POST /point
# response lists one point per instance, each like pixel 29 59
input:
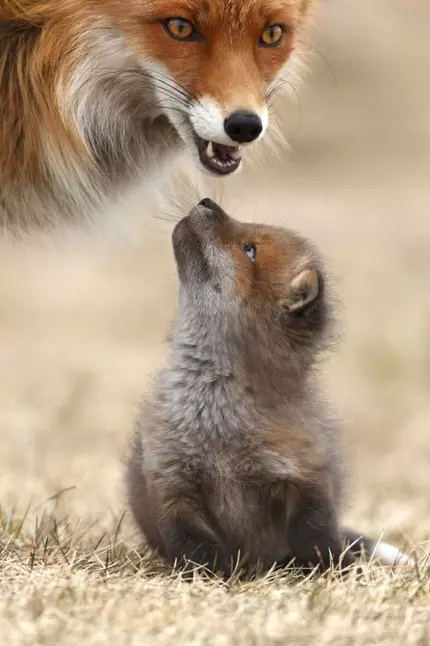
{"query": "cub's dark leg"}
pixel 313 533
pixel 190 543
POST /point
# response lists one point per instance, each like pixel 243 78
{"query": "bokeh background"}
pixel 83 320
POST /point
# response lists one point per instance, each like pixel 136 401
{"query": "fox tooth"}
pixel 235 153
pixel 210 150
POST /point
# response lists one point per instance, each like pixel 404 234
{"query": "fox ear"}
pixel 305 289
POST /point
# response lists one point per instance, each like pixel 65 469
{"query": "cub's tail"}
pixel 384 553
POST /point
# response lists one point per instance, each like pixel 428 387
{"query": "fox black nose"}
pixel 243 126
pixel 208 204
pixel 213 210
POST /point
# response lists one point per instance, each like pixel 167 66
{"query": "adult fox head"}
pixel 215 64
pixel 96 93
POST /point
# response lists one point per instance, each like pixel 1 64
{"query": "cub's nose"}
pixel 209 204
pixel 243 126
pixel 212 210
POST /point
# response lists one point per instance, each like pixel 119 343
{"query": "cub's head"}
pixel 215 65
pixel 254 282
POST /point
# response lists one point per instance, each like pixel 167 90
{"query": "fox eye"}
pixel 181 29
pixel 272 36
pixel 251 251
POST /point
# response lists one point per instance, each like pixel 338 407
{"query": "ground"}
pixel 82 330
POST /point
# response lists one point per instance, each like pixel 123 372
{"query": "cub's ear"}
pixel 305 290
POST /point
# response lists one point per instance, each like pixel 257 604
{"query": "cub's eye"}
pixel 181 29
pixel 251 251
pixel 272 36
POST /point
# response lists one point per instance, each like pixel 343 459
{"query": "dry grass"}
pixel 65 586
pixel 82 330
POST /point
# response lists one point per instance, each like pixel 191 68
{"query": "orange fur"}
pixel 231 30
pixel 29 71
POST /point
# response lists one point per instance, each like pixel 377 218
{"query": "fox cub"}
pixel 235 452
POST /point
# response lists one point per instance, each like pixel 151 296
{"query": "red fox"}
pixel 97 94
pixel 235 450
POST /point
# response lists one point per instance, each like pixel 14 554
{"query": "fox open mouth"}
pixel 218 158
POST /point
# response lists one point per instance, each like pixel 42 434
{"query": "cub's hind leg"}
pixel 189 540
pixel 172 514
pixel 313 533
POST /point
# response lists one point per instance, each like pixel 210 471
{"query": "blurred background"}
pixel 82 322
